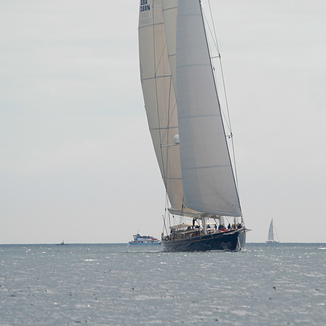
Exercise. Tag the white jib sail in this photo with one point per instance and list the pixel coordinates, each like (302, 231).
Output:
(159, 93)
(208, 180)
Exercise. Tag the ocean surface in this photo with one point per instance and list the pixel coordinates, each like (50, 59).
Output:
(283, 284)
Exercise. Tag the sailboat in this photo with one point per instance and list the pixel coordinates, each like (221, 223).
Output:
(271, 237)
(187, 129)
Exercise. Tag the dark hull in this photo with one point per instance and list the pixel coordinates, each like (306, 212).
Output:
(230, 241)
(145, 243)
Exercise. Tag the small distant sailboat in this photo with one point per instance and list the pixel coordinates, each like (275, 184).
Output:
(271, 237)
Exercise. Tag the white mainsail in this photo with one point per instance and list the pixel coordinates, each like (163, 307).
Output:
(209, 184)
(271, 232)
(181, 99)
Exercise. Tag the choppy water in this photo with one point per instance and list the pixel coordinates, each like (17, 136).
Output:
(124, 285)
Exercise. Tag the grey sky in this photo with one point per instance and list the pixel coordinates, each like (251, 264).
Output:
(76, 160)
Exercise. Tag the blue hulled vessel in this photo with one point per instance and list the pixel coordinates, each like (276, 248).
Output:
(191, 134)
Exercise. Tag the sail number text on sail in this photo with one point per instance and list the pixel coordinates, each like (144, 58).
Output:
(144, 6)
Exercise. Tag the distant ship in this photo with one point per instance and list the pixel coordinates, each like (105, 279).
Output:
(144, 240)
(271, 238)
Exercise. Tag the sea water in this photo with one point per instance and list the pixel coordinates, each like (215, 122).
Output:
(282, 284)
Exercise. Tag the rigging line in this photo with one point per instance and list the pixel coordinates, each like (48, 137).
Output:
(235, 165)
(170, 92)
(164, 225)
(166, 136)
(172, 112)
(156, 94)
(159, 61)
(170, 115)
(214, 36)
(214, 80)
(225, 95)
(167, 211)
(167, 131)
(166, 202)
(226, 119)
(221, 66)
(210, 9)
(168, 128)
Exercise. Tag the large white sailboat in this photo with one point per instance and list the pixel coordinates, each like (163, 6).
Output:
(187, 129)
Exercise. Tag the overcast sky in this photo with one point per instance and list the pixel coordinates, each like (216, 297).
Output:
(76, 159)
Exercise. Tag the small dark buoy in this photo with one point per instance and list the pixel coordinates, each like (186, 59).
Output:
(274, 287)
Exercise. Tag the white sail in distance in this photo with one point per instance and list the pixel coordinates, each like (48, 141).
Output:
(271, 231)
(181, 99)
